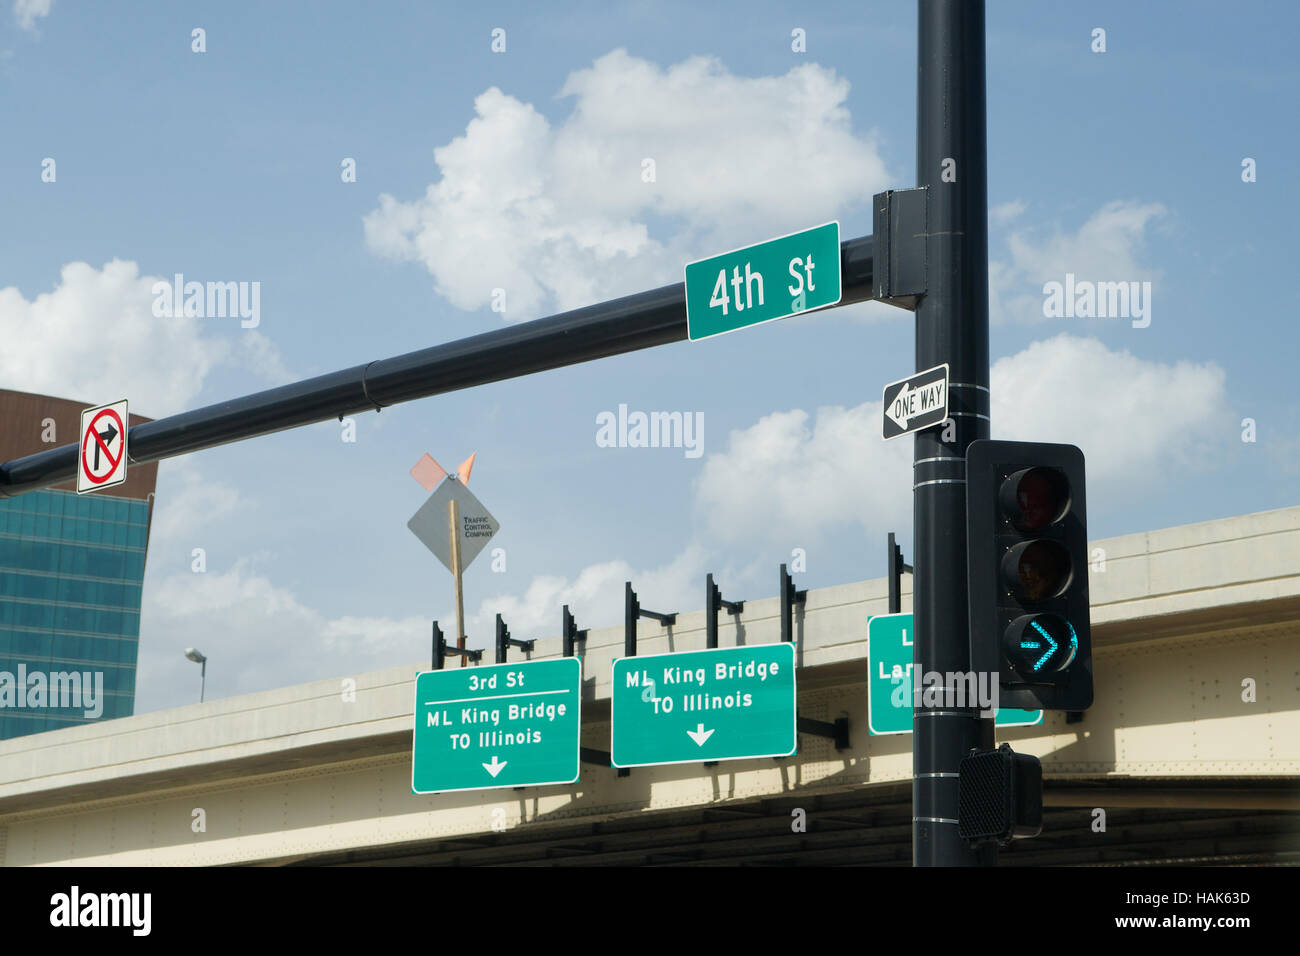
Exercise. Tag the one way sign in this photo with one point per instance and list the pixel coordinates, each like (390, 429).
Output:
(102, 463)
(918, 402)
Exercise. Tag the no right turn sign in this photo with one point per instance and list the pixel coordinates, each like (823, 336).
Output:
(102, 462)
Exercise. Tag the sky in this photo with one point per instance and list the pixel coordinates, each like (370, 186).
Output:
(393, 176)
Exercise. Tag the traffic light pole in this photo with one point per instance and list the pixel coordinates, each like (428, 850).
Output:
(952, 326)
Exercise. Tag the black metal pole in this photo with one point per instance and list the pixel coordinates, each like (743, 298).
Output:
(439, 647)
(505, 641)
(569, 631)
(897, 567)
(895, 585)
(631, 613)
(639, 321)
(711, 605)
(952, 327)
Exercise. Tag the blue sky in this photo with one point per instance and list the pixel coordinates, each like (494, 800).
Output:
(225, 166)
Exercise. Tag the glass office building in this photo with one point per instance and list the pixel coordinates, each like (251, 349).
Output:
(71, 575)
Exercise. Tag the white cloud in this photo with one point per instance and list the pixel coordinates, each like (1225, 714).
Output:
(596, 594)
(804, 477)
(1007, 211)
(95, 338)
(1133, 418)
(559, 215)
(27, 12)
(183, 510)
(1108, 247)
(393, 640)
(256, 635)
(259, 355)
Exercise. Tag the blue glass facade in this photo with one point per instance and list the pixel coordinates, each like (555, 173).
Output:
(71, 570)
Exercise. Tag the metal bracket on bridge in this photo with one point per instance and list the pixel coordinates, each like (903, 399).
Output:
(505, 641)
(897, 568)
(713, 602)
(569, 636)
(837, 730)
(789, 598)
(569, 633)
(441, 650)
(631, 612)
(601, 758)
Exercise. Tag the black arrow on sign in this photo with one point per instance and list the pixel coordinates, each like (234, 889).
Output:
(107, 436)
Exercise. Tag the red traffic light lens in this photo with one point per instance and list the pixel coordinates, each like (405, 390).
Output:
(1035, 498)
(1038, 570)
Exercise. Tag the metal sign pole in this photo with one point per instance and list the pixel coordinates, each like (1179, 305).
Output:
(453, 521)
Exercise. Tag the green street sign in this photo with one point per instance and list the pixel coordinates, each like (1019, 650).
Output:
(503, 725)
(763, 282)
(890, 684)
(722, 704)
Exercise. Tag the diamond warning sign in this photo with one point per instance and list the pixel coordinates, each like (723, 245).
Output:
(102, 463)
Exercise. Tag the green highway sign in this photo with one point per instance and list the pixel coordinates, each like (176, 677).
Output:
(503, 725)
(720, 704)
(759, 283)
(890, 684)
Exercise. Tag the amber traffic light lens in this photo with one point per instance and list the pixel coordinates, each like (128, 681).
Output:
(1038, 570)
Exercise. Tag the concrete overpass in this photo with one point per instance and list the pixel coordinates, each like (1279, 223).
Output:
(1183, 767)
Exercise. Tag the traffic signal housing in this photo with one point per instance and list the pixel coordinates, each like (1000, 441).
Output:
(1027, 567)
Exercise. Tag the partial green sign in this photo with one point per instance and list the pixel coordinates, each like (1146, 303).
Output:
(759, 283)
(502, 725)
(722, 704)
(890, 684)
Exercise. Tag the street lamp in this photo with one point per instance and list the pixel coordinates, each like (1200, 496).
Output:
(197, 658)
